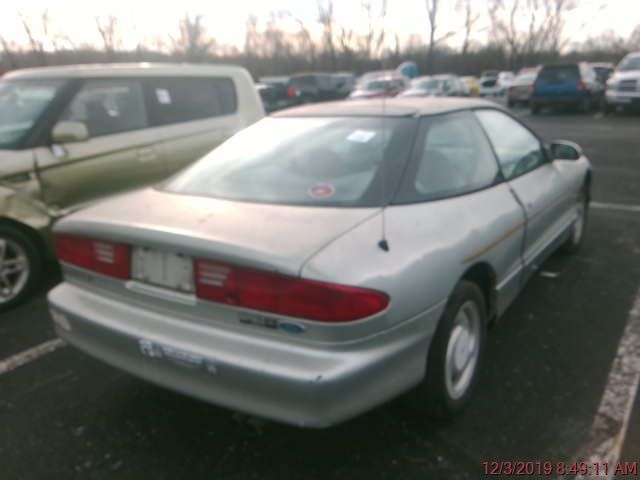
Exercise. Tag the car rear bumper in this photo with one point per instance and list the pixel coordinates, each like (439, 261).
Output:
(614, 97)
(297, 384)
(557, 99)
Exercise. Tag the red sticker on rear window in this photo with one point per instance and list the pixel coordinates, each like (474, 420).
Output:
(321, 191)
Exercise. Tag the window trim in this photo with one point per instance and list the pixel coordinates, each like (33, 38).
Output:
(543, 147)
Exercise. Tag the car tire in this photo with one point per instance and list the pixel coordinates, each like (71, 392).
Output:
(21, 264)
(578, 227)
(535, 109)
(585, 105)
(455, 354)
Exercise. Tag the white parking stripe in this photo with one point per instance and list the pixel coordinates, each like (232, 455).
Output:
(30, 355)
(611, 423)
(615, 206)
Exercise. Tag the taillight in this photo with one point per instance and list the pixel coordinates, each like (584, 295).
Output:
(581, 85)
(285, 295)
(107, 258)
(292, 92)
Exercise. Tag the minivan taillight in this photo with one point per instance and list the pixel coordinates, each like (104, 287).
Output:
(107, 258)
(283, 294)
(581, 85)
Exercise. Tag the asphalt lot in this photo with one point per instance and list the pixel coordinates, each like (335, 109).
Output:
(68, 416)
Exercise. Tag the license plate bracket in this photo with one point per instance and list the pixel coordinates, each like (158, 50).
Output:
(162, 268)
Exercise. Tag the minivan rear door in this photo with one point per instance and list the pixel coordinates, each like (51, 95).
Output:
(193, 114)
(120, 153)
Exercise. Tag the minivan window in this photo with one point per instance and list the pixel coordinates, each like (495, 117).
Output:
(453, 156)
(21, 104)
(108, 106)
(183, 99)
(323, 161)
(629, 64)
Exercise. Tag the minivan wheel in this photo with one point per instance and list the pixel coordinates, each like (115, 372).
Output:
(455, 353)
(20, 266)
(576, 237)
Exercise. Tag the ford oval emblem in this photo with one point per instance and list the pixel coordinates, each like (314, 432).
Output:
(291, 327)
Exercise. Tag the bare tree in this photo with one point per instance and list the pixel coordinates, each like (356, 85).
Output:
(432, 16)
(327, 20)
(193, 43)
(108, 29)
(471, 17)
(36, 41)
(8, 53)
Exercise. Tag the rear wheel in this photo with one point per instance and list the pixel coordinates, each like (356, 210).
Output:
(535, 108)
(455, 353)
(20, 266)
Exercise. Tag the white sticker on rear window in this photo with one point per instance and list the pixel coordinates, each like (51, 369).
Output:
(361, 136)
(163, 96)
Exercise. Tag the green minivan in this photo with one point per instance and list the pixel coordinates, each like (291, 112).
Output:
(72, 135)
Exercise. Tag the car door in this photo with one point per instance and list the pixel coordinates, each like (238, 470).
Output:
(538, 184)
(119, 154)
(194, 115)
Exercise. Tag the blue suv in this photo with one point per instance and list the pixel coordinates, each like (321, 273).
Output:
(569, 84)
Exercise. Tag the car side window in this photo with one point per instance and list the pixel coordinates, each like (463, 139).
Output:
(453, 157)
(183, 99)
(108, 106)
(519, 151)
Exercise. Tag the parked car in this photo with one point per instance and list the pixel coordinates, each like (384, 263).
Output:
(437, 86)
(473, 85)
(603, 70)
(388, 86)
(276, 96)
(326, 259)
(344, 83)
(521, 88)
(317, 87)
(623, 87)
(495, 85)
(567, 84)
(70, 135)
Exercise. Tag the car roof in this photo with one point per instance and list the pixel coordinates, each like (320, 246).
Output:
(390, 107)
(124, 70)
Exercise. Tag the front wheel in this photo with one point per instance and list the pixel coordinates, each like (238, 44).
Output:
(576, 237)
(455, 353)
(20, 266)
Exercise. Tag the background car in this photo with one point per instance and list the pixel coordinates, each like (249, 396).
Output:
(344, 83)
(623, 87)
(567, 84)
(473, 85)
(386, 86)
(71, 135)
(317, 87)
(299, 282)
(521, 88)
(278, 95)
(437, 86)
(603, 70)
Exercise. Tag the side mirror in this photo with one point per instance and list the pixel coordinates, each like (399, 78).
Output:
(68, 132)
(565, 150)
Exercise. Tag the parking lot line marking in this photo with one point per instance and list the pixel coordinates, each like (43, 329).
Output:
(615, 206)
(611, 423)
(30, 355)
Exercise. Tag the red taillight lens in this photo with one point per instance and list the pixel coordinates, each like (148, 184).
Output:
(292, 92)
(107, 258)
(581, 85)
(285, 295)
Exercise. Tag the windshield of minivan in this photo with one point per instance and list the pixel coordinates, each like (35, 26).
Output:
(333, 161)
(21, 103)
(631, 63)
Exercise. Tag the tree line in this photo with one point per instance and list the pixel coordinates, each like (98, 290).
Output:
(520, 33)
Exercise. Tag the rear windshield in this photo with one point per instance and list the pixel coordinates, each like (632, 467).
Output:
(559, 73)
(337, 161)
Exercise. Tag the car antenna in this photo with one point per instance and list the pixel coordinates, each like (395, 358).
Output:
(383, 243)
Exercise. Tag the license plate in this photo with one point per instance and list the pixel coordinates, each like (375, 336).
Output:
(161, 268)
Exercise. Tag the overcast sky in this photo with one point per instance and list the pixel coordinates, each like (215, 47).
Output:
(141, 21)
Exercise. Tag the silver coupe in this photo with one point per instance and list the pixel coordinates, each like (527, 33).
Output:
(325, 259)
